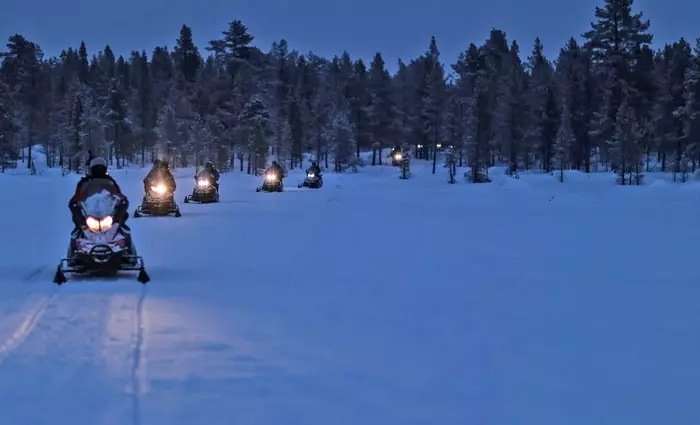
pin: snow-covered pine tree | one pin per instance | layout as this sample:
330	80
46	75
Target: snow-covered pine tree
142	104
255	128
9	150
433	99
624	147
612	41
118	124
451	160
478	134
680	62
20	70
359	101
341	137
380	111
564	142
404	106
510	115
543	114
689	112
575	85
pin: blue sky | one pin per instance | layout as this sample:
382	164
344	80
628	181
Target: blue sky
397	28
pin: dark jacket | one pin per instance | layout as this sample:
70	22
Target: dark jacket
314	169
210	172
159	175
278	169
74	199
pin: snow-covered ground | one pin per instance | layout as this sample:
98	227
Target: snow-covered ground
371	301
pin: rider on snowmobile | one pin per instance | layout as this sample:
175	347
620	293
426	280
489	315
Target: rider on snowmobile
160	173
276	168
315	169
209	172
98	170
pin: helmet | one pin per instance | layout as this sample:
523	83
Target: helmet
209	164
97	167
156	163
313	164
274	163
164	165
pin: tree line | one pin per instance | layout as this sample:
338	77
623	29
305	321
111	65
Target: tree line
610	102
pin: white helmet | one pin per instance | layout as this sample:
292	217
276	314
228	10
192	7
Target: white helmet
97	166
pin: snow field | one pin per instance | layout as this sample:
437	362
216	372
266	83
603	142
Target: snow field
370	301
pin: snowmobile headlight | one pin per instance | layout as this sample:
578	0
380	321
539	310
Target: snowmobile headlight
159	189
271	177
106	223
93	224
311	175
203	183
398	157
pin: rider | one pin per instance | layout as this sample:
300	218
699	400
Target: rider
276	168
98	170
315	169
210	172
159	173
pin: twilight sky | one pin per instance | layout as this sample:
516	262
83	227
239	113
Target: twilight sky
397	28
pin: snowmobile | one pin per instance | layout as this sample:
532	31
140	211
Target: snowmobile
101	247
313	181
271	183
397	159
158	201
205	191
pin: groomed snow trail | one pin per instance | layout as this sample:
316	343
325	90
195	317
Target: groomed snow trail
370	301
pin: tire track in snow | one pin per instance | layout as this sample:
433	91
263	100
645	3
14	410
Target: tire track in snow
20	334
24	329
138	375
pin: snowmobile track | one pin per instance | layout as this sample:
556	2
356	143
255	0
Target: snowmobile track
25	328
137	365
34	273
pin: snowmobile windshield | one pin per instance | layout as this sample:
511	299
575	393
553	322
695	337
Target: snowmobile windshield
97	186
205	174
101	202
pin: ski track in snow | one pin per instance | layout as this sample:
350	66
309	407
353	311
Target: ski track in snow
25	328
138	372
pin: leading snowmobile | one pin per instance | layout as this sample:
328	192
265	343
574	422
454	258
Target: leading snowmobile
102	245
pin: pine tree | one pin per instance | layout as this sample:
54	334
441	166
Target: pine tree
433	99
380	112
359	100
613	40
8	128
564	141
689	112
186	57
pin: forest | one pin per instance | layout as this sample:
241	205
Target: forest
608	102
